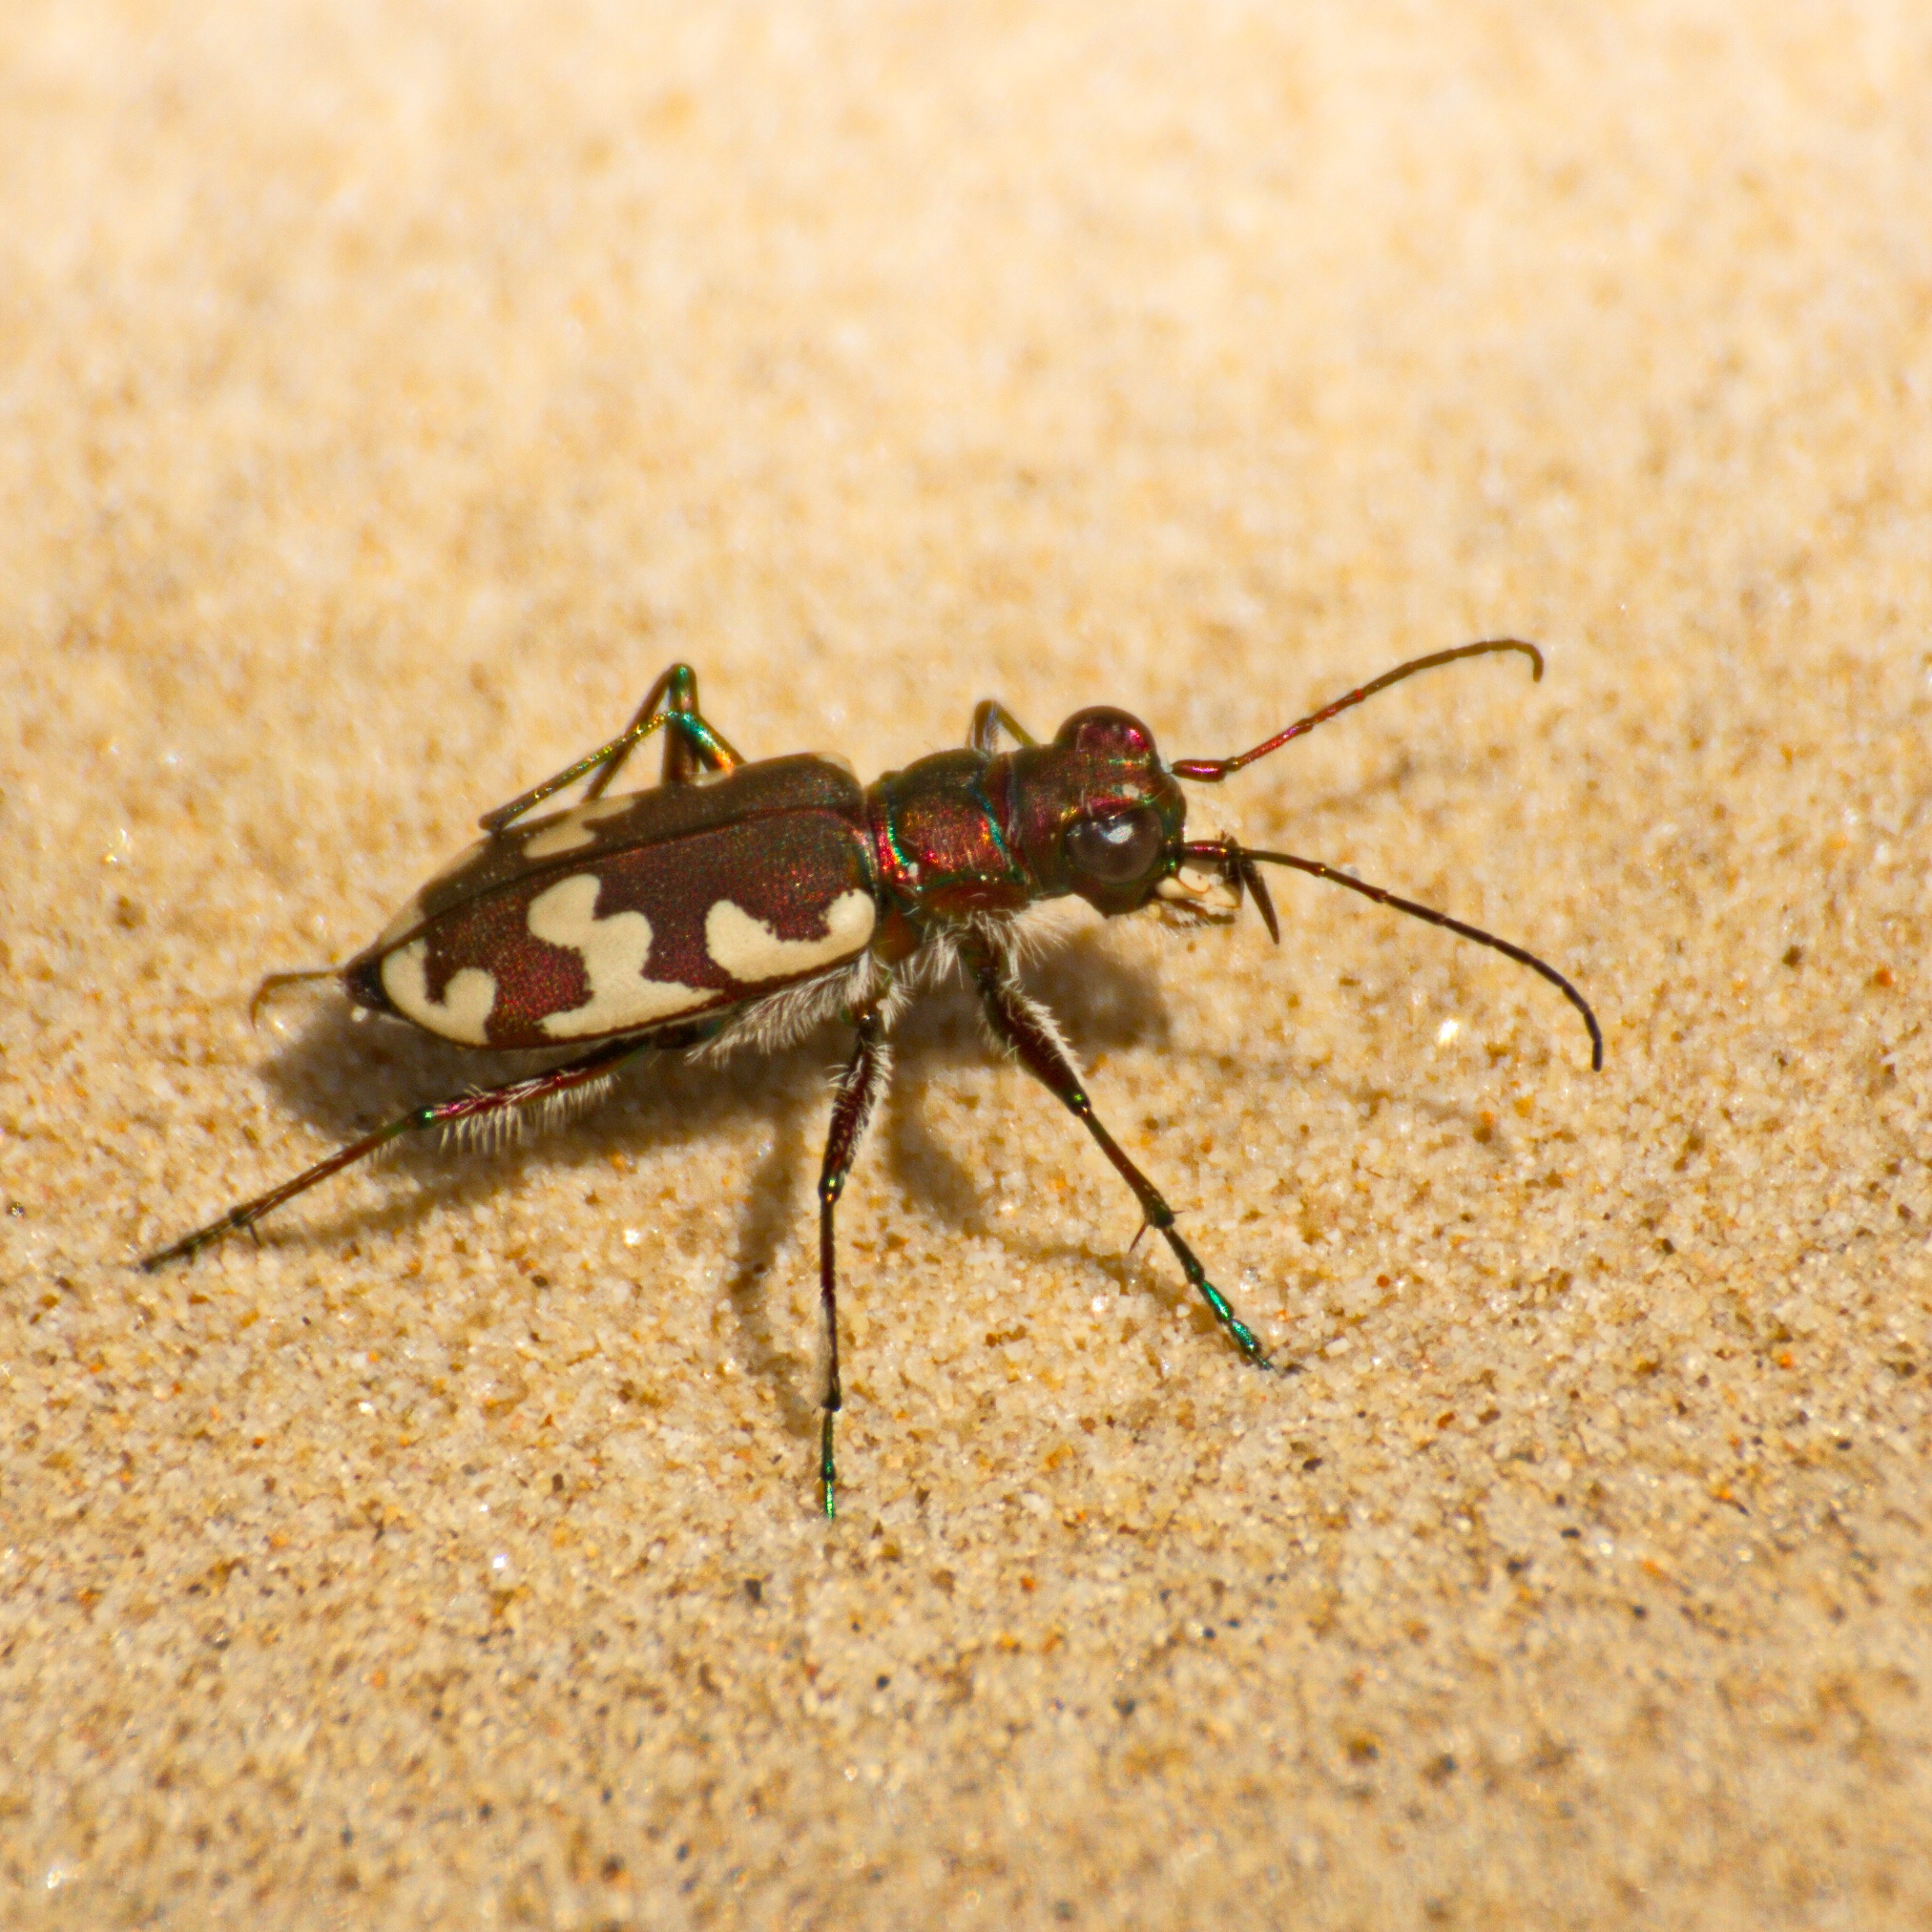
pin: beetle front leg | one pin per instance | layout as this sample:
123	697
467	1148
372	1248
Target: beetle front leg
464	1109
690	747
1027	1027
860	1087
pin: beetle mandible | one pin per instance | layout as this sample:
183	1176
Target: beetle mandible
742	904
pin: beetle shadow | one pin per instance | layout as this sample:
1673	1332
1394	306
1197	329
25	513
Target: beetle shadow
346	1076
1380	786
1302	823
931	1169
1101	1000
777	1198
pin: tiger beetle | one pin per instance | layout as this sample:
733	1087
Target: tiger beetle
740	904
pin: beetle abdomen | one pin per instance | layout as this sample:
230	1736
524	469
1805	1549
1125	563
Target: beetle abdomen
633	921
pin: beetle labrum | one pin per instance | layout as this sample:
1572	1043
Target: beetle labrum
742	904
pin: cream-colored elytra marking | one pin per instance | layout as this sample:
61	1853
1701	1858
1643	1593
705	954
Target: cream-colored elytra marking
571	831
750	950
461	1014
614	951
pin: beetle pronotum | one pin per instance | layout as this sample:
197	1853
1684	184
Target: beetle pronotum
742	904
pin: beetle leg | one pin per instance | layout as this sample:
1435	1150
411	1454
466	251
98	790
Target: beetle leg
690	746
462	1110
992	717
1027	1027
860	1087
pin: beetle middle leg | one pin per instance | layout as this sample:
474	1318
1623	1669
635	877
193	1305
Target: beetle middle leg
1026	1027
992	717
691	747
859	1087
462	1111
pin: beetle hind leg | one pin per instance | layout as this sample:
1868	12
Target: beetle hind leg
480	1113
692	749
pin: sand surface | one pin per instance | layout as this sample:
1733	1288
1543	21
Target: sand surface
390	391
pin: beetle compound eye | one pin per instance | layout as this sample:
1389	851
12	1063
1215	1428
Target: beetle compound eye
1114	851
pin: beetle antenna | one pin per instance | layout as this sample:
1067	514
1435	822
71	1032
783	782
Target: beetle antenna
1212	770
1245	859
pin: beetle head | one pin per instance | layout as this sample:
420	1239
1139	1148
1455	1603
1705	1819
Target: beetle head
1096	812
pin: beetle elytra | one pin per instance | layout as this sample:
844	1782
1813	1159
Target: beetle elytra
740	903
